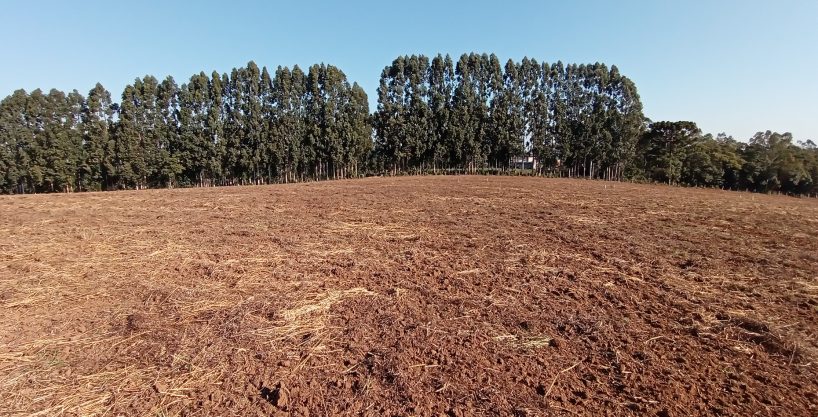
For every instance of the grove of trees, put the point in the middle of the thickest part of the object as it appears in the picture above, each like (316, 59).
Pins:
(577, 120)
(678, 153)
(246, 127)
(433, 115)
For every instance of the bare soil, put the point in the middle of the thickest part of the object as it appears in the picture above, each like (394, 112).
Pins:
(451, 296)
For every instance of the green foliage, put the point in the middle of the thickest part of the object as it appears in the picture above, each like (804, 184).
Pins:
(774, 163)
(244, 127)
(664, 147)
(676, 152)
(474, 115)
(576, 119)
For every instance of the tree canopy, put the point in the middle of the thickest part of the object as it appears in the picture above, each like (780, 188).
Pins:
(246, 127)
(477, 113)
(466, 115)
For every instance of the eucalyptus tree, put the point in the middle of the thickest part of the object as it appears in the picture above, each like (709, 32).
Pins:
(130, 166)
(97, 124)
(193, 148)
(441, 81)
(507, 118)
(356, 130)
(288, 120)
(389, 119)
(417, 132)
(16, 143)
(468, 113)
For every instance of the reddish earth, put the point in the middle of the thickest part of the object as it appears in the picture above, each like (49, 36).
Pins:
(452, 296)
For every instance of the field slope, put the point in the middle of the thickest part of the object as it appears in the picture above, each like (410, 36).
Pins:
(407, 296)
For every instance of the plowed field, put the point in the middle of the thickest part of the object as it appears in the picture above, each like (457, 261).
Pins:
(452, 296)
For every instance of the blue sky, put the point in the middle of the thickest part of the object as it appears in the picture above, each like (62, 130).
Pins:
(731, 66)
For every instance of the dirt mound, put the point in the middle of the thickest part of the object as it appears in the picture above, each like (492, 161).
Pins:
(451, 296)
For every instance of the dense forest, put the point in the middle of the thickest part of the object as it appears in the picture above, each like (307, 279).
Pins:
(246, 127)
(577, 120)
(435, 115)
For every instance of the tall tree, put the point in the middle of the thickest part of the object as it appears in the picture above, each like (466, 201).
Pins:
(663, 148)
(15, 143)
(193, 148)
(773, 163)
(507, 119)
(390, 118)
(417, 121)
(441, 90)
(164, 164)
(97, 123)
(357, 131)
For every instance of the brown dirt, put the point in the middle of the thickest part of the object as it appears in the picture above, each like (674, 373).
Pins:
(450, 296)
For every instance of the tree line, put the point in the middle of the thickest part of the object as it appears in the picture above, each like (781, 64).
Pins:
(678, 153)
(433, 115)
(245, 127)
(577, 120)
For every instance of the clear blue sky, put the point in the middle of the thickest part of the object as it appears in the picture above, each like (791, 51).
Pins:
(731, 66)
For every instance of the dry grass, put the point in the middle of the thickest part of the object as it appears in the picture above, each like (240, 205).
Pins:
(308, 317)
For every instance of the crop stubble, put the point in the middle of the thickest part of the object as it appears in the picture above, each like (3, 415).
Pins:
(410, 296)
